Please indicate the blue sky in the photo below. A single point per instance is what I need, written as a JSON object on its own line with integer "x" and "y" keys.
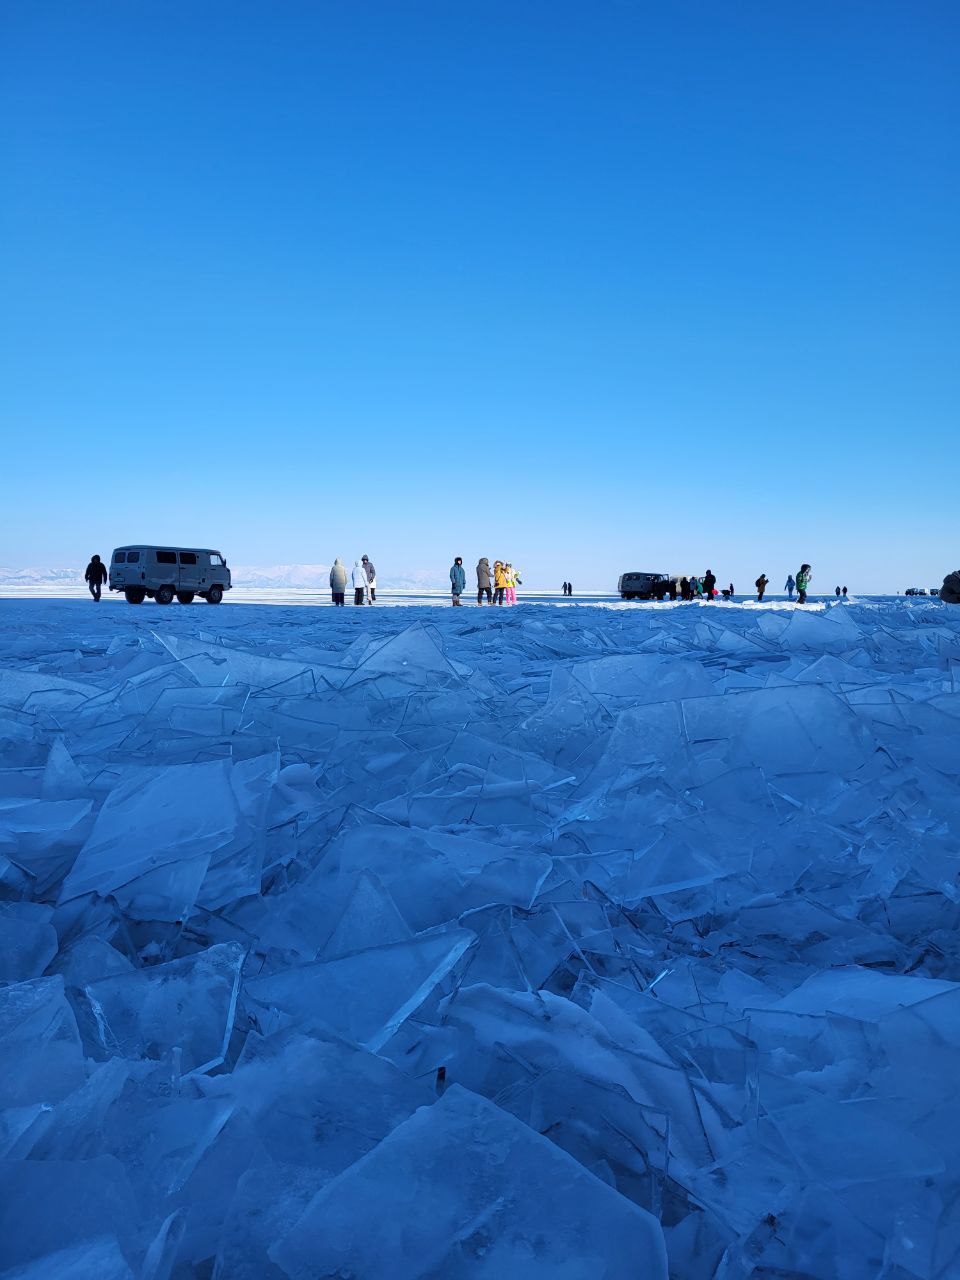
{"x": 587, "y": 286}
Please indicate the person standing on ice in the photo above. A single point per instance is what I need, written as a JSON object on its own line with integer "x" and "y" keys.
{"x": 95, "y": 576}
{"x": 844, "y": 593}
{"x": 513, "y": 577}
{"x": 761, "y": 585}
{"x": 838, "y": 593}
{"x": 499, "y": 582}
{"x": 709, "y": 584}
{"x": 338, "y": 581}
{"x": 788, "y": 586}
{"x": 458, "y": 580}
{"x": 359, "y": 577}
{"x": 803, "y": 581}
{"x": 483, "y": 580}
{"x": 371, "y": 579}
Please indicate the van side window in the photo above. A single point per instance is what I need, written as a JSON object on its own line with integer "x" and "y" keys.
{"x": 132, "y": 557}
{"x": 119, "y": 557}
{"x": 166, "y": 557}
{"x": 187, "y": 557}
{"x": 216, "y": 560}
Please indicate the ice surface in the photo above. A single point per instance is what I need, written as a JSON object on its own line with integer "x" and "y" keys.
{"x": 518, "y": 1206}
{"x": 532, "y": 941}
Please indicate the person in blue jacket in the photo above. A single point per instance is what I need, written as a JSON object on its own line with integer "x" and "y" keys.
{"x": 458, "y": 580}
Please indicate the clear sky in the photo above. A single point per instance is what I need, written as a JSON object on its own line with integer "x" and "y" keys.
{"x": 588, "y": 286}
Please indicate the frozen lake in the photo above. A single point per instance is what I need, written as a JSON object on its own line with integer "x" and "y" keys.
{"x": 408, "y": 942}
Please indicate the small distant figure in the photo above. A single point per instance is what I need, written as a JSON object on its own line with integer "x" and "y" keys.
{"x": 359, "y": 577}
{"x": 569, "y": 588}
{"x": 761, "y": 585}
{"x": 371, "y": 579}
{"x": 730, "y": 591}
{"x": 696, "y": 587}
{"x": 788, "y": 587}
{"x": 338, "y": 581}
{"x": 95, "y": 576}
{"x": 803, "y": 581}
{"x": 844, "y": 593}
{"x": 685, "y": 592}
{"x": 483, "y": 581}
{"x": 563, "y": 589}
{"x": 499, "y": 582}
{"x": 458, "y": 580}
{"x": 838, "y": 593}
{"x": 709, "y": 584}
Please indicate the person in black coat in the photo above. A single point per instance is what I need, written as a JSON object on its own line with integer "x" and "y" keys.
{"x": 95, "y": 576}
{"x": 709, "y": 583}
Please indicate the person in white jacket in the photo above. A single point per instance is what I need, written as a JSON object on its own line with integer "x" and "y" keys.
{"x": 359, "y": 582}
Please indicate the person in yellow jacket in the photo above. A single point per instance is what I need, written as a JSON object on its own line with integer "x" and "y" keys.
{"x": 499, "y": 581}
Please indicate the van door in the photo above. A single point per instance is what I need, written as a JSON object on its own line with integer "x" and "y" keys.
{"x": 189, "y": 571}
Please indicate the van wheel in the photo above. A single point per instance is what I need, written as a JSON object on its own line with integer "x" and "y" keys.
{"x": 215, "y": 594}
{"x": 185, "y": 597}
{"x": 164, "y": 595}
{"x": 134, "y": 595}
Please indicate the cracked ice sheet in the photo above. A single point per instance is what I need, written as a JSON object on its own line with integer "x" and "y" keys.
{"x": 672, "y": 890}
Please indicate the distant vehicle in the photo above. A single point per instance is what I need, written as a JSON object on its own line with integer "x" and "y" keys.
{"x": 935, "y": 591}
{"x": 646, "y": 586}
{"x": 164, "y": 572}
{"x": 915, "y": 591}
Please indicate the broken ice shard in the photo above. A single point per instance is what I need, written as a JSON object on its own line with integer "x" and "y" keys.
{"x": 186, "y": 1004}
{"x": 464, "y": 1189}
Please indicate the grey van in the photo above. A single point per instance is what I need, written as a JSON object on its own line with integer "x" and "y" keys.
{"x": 646, "y": 586}
{"x": 164, "y": 572}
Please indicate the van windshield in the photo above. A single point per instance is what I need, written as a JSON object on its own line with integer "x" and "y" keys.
{"x": 217, "y": 560}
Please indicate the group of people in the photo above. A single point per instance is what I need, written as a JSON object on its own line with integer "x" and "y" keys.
{"x": 567, "y": 589}
{"x": 363, "y": 578}
{"x": 498, "y": 585}
{"x": 696, "y": 588}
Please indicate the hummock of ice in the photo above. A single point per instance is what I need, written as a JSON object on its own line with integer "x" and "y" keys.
{"x": 564, "y": 943}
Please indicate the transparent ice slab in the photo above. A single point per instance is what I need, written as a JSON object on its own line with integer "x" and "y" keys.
{"x": 199, "y": 835}
{"x": 187, "y": 1004}
{"x": 364, "y": 996}
{"x": 415, "y": 1207}
{"x": 101, "y": 1257}
{"x": 41, "y": 1059}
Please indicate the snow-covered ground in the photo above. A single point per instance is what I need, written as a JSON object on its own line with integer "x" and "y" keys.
{"x": 535, "y": 942}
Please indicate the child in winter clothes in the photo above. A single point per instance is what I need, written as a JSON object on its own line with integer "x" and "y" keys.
{"x": 511, "y": 577}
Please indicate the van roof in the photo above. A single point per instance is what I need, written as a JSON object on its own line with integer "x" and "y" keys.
{"x": 162, "y": 546}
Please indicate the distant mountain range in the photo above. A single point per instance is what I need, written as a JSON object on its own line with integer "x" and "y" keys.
{"x": 289, "y": 576}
